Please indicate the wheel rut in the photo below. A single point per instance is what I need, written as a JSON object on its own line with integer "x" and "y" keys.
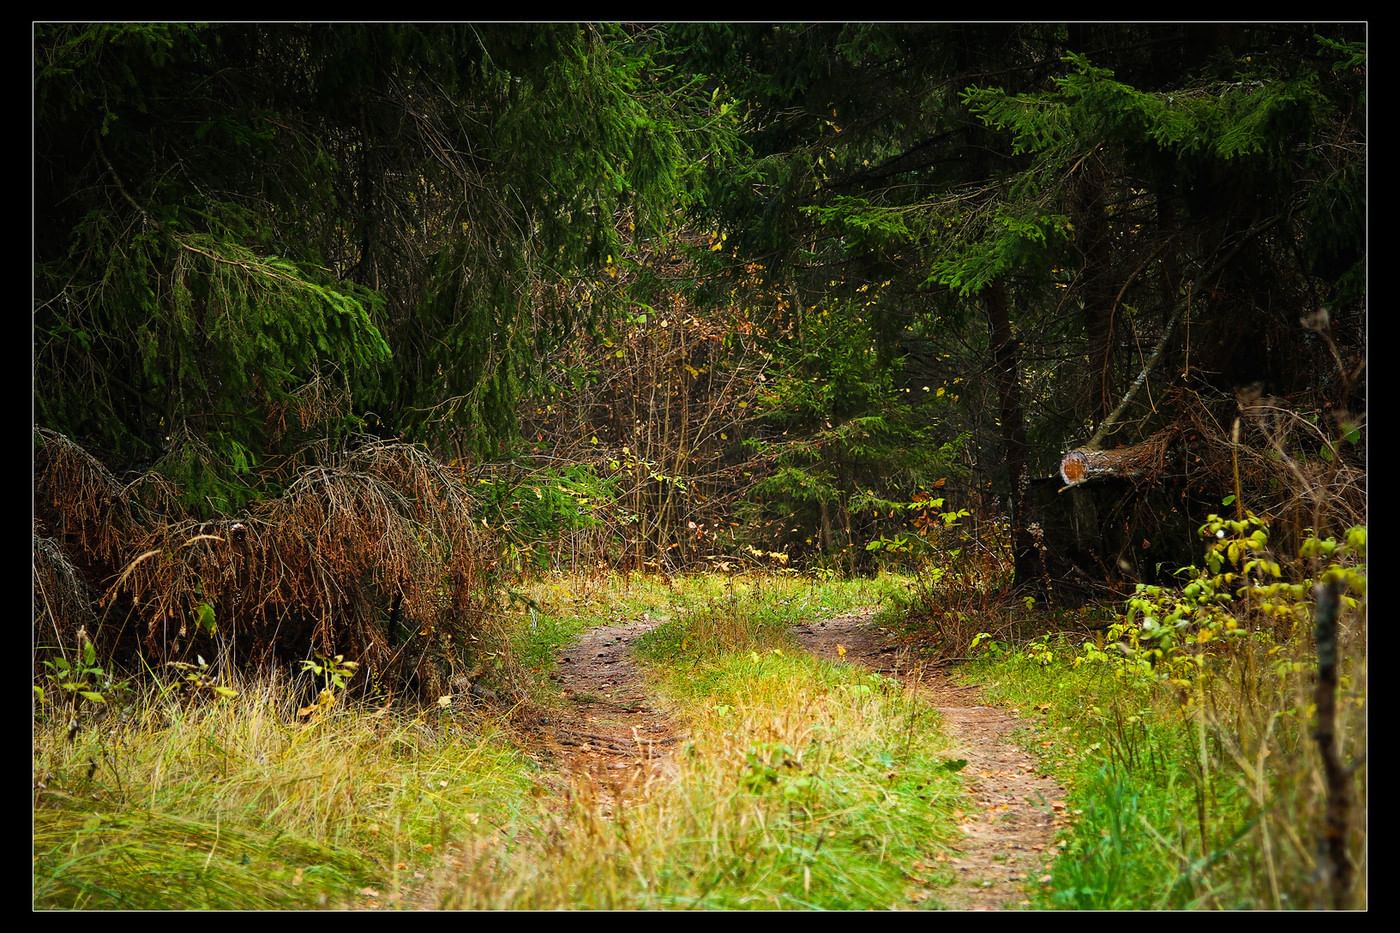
{"x": 1019, "y": 809}
{"x": 609, "y": 731}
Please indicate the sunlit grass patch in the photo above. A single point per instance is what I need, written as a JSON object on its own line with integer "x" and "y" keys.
{"x": 239, "y": 804}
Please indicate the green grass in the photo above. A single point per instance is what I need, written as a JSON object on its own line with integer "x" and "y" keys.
{"x": 802, "y": 784}
{"x": 238, "y": 804}
{"x": 563, "y": 607}
{"x": 1182, "y": 798}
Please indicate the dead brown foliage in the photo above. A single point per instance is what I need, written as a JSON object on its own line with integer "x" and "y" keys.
{"x": 1294, "y": 467}
{"x": 62, "y": 601}
{"x": 372, "y": 554}
{"x": 662, "y": 409}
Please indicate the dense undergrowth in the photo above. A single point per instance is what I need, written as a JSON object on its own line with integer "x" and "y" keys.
{"x": 373, "y": 553}
{"x": 1183, "y": 728}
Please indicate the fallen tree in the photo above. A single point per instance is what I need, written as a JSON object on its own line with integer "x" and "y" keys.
{"x": 1134, "y": 461}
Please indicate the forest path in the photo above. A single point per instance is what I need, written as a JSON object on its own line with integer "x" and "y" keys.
{"x": 1018, "y": 808}
{"x": 609, "y": 730}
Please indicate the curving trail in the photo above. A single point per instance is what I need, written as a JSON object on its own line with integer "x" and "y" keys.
{"x": 609, "y": 731}
{"x": 612, "y": 742}
{"x": 1018, "y": 809}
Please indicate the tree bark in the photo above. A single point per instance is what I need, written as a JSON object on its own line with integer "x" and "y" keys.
{"x": 1029, "y": 570}
{"x": 1338, "y": 868}
{"x": 1099, "y": 289}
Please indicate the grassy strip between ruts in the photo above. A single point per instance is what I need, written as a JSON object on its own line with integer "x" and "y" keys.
{"x": 803, "y": 784}
{"x": 560, "y": 607}
{"x": 236, "y": 804}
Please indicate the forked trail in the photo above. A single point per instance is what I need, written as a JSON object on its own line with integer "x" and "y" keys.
{"x": 613, "y": 734}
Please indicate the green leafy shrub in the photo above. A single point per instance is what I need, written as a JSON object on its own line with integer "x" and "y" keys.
{"x": 1174, "y": 633}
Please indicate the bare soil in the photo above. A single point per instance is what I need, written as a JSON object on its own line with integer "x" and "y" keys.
{"x": 608, "y": 729}
{"x": 1019, "y": 809}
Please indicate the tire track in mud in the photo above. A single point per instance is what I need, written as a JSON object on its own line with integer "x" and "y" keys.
{"x": 609, "y": 730}
{"x": 1019, "y": 809}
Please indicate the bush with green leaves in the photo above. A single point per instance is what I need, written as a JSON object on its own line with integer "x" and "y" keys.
{"x": 1243, "y": 593}
{"x": 540, "y": 512}
{"x": 73, "y": 683}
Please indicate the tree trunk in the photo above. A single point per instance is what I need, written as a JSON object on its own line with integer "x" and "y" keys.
{"x": 1028, "y": 568}
{"x": 1099, "y": 290}
{"x": 1133, "y": 462}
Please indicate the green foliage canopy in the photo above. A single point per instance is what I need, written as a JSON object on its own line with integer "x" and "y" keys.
{"x": 250, "y": 236}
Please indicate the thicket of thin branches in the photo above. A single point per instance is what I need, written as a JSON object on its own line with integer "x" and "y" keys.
{"x": 660, "y": 409}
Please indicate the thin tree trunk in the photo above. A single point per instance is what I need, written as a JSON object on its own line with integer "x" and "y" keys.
{"x": 1099, "y": 289}
{"x": 1337, "y": 868}
{"x": 1028, "y": 566}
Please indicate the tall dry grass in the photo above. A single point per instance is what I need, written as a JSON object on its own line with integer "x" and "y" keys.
{"x": 240, "y": 804}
